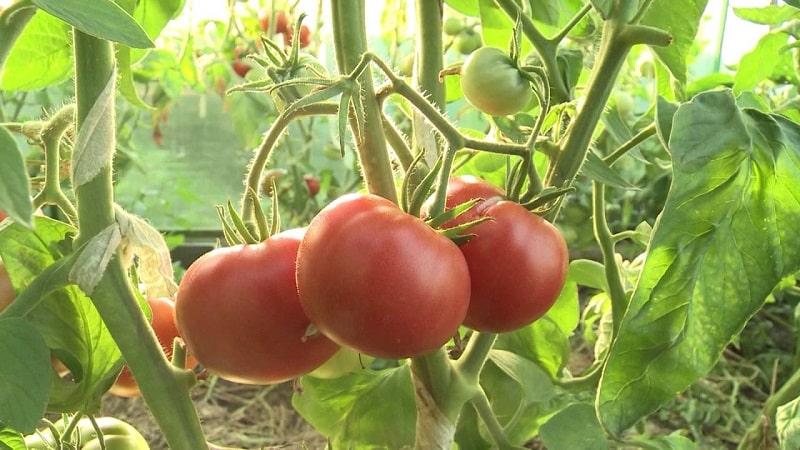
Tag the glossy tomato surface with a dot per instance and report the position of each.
(380, 281)
(163, 323)
(492, 84)
(239, 313)
(462, 189)
(517, 265)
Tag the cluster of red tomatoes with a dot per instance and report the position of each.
(280, 27)
(367, 276)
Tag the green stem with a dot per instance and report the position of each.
(619, 301)
(350, 38)
(484, 409)
(576, 19)
(471, 362)
(429, 51)
(640, 137)
(164, 391)
(788, 392)
(253, 179)
(51, 141)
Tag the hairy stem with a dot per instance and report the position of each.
(350, 38)
(619, 301)
(167, 397)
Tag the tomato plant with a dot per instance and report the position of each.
(367, 272)
(238, 310)
(492, 83)
(163, 323)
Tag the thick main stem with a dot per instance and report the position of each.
(350, 42)
(166, 393)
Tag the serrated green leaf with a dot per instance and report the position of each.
(575, 426)
(767, 15)
(725, 238)
(759, 63)
(681, 18)
(15, 193)
(787, 422)
(41, 57)
(354, 410)
(102, 19)
(588, 273)
(25, 375)
(542, 341)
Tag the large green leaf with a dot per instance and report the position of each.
(759, 63)
(102, 19)
(11, 439)
(726, 237)
(15, 193)
(368, 409)
(681, 18)
(24, 375)
(41, 57)
(768, 15)
(66, 319)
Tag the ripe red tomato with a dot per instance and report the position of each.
(380, 281)
(462, 189)
(240, 67)
(305, 36)
(312, 183)
(6, 289)
(517, 266)
(281, 22)
(163, 323)
(2, 215)
(239, 313)
(492, 84)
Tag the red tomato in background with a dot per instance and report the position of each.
(163, 323)
(6, 289)
(312, 183)
(380, 281)
(239, 65)
(239, 313)
(305, 36)
(517, 266)
(2, 215)
(281, 21)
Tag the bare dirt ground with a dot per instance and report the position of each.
(233, 415)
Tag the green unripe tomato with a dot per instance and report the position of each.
(467, 41)
(452, 26)
(492, 84)
(117, 434)
(118, 442)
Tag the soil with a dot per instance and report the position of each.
(232, 415)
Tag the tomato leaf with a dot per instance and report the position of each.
(681, 18)
(726, 237)
(103, 19)
(767, 15)
(24, 375)
(71, 326)
(596, 169)
(353, 410)
(787, 422)
(15, 193)
(665, 110)
(10, 439)
(41, 57)
(542, 341)
(520, 393)
(466, 7)
(759, 63)
(95, 144)
(575, 426)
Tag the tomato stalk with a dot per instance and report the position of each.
(350, 42)
(51, 141)
(113, 296)
(253, 179)
(619, 301)
(617, 40)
